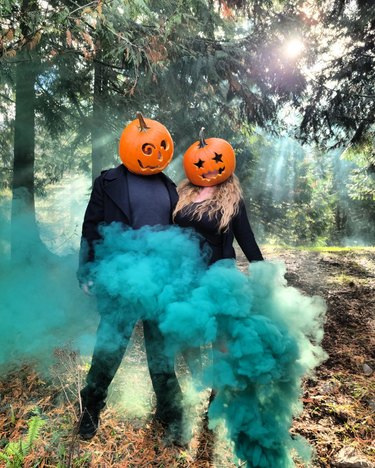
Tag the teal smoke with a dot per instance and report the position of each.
(265, 335)
(269, 350)
(148, 267)
(42, 307)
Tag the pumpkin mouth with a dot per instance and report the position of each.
(147, 167)
(213, 174)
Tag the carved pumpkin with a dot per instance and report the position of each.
(209, 162)
(146, 146)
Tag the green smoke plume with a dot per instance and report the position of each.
(265, 335)
(42, 307)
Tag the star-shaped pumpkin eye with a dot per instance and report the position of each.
(199, 164)
(218, 157)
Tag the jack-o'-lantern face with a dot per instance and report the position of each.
(209, 162)
(146, 146)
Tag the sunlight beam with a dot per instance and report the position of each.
(293, 48)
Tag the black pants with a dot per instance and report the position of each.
(113, 335)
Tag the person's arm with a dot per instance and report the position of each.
(94, 217)
(244, 235)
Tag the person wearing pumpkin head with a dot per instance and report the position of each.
(211, 203)
(211, 200)
(134, 194)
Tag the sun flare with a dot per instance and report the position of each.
(294, 47)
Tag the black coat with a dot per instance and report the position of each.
(221, 243)
(240, 230)
(109, 202)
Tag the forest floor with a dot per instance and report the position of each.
(339, 399)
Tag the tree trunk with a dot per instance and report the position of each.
(24, 132)
(24, 230)
(99, 136)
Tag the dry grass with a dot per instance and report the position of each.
(123, 440)
(339, 401)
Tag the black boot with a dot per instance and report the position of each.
(89, 422)
(171, 421)
(93, 401)
(176, 434)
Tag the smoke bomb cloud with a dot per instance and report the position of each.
(265, 336)
(42, 307)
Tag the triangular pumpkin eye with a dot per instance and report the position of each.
(199, 164)
(163, 144)
(218, 157)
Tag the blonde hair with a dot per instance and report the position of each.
(225, 201)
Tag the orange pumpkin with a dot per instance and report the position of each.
(146, 146)
(209, 162)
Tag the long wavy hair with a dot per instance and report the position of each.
(225, 201)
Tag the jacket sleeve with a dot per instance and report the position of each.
(94, 217)
(244, 235)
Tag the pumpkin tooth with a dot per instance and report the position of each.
(211, 174)
(147, 167)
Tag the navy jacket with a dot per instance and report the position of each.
(109, 202)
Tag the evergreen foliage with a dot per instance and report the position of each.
(340, 101)
(201, 63)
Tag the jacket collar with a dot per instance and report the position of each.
(115, 184)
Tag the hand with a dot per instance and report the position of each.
(221, 344)
(87, 287)
(223, 348)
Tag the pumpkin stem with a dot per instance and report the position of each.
(202, 141)
(142, 122)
